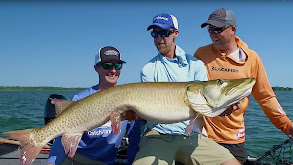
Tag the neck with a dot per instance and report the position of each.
(229, 50)
(230, 47)
(171, 53)
(102, 86)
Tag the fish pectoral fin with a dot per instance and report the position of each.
(70, 143)
(190, 126)
(60, 104)
(115, 118)
(199, 123)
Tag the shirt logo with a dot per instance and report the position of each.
(224, 69)
(104, 129)
(99, 132)
(280, 109)
(240, 134)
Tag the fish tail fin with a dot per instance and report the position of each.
(28, 151)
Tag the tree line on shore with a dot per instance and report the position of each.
(282, 89)
(14, 88)
(8, 88)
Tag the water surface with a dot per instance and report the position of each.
(25, 109)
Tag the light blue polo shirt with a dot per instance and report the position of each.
(182, 68)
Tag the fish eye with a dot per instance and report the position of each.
(220, 81)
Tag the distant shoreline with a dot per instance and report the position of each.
(282, 89)
(18, 88)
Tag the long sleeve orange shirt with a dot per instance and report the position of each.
(231, 129)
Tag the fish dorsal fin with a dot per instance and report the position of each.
(70, 143)
(60, 105)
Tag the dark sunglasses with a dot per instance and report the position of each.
(109, 65)
(163, 33)
(217, 30)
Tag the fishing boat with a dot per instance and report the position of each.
(9, 153)
(10, 149)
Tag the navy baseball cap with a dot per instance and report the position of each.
(220, 18)
(108, 53)
(164, 21)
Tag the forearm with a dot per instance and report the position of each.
(276, 114)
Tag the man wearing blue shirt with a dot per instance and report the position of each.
(99, 146)
(167, 143)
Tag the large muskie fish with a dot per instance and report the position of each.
(158, 102)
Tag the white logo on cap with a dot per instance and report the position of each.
(111, 53)
(160, 17)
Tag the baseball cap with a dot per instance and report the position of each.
(220, 18)
(164, 21)
(108, 53)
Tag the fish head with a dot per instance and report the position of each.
(211, 98)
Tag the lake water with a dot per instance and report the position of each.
(25, 109)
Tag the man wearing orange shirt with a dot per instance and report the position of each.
(228, 57)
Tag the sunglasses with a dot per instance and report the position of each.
(163, 33)
(217, 30)
(109, 65)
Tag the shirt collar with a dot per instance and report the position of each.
(180, 56)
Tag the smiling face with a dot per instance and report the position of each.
(108, 77)
(223, 40)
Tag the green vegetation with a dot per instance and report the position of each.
(282, 89)
(18, 88)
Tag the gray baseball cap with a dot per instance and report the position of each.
(220, 18)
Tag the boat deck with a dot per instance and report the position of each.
(9, 155)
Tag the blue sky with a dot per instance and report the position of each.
(54, 43)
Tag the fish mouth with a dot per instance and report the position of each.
(248, 84)
(245, 87)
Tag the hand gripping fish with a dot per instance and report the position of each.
(158, 102)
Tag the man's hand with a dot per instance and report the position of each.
(231, 109)
(129, 115)
(290, 132)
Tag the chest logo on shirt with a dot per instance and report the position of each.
(99, 132)
(223, 69)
